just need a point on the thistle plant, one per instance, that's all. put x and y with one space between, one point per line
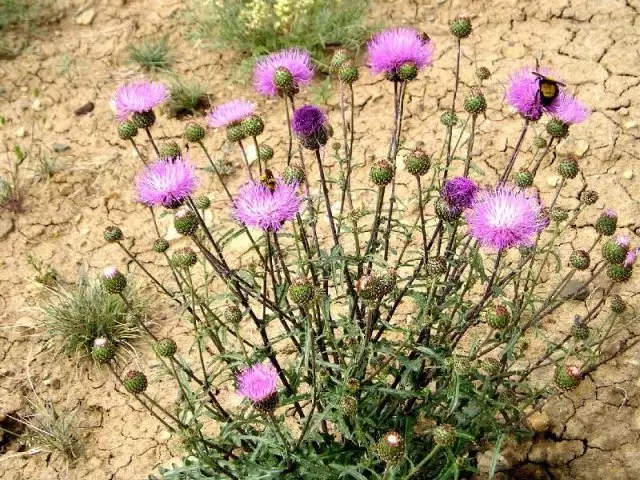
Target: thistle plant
311 329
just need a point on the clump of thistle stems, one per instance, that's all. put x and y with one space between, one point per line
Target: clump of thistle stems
362 392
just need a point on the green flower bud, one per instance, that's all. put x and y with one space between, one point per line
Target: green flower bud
112 234
144 119
194 132
135 382
381 173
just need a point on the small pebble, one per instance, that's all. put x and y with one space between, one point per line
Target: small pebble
60 147
165 435
36 104
628 174
553 180
20 132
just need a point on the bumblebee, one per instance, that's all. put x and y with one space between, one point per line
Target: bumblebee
548 89
268 180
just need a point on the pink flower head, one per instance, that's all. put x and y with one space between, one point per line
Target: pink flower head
110 272
622 241
296 61
256 205
308 121
610 213
630 259
229 113
139 96
459 192
258 382
505 217
523 94
391 49
166 184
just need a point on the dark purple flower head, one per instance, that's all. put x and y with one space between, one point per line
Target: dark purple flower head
229 113
258 382
308 121
505 217
459 192
257 205
296 61
523 94
166 184
389 50
138 97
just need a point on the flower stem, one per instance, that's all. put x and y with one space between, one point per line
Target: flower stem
245 159
514 154
153 143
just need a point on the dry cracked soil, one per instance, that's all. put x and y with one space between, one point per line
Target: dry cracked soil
592 432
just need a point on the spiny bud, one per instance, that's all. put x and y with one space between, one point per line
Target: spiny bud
337 60
283 80
266 152
160 245
113 281
267 405
353 385
408 71
194 132
232 314
252 126
103 350
557 128
387 282
460 27
445 212
615 250
235 133
185 222
559 214
293 173
390 448
490 366
580 259
444 435
580 330
568 167
381 173
112 234
436 266
348 405
170 150
144 119
499 317
567 377
127 130
348 73
617 304
301 291
202 202
135 382
417 162
607 223
619 273
166 347
483 73
524 179
589 197
539 142
184 257
475 103
367 287
449 119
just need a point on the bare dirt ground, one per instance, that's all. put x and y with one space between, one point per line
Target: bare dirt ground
592 432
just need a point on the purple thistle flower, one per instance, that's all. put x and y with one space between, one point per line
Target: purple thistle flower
166 184
505 217
524 96
256 205
622 241
229 113
258 382
139 96
459 192
296 61
610 213
308 121
110 272
630 259
391 49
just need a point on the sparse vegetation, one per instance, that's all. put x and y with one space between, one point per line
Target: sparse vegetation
187 98
152 55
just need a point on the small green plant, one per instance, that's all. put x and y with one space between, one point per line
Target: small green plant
152 55
45 168
45 274
74 317
260 26
187 98
17 21
50 430
11 192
